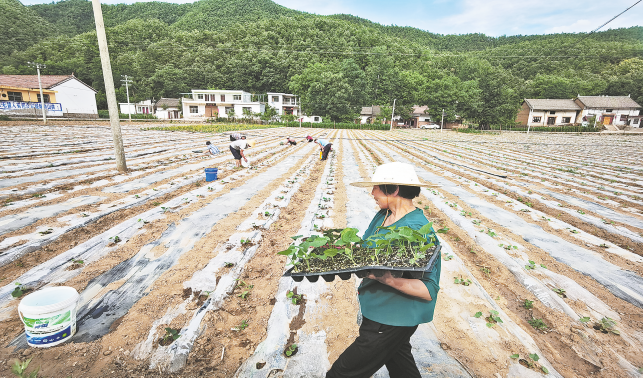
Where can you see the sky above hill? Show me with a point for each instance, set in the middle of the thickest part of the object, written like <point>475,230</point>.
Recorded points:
<point>491,17</point>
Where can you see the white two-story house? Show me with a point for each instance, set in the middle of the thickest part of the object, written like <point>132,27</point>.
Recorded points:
<point>285,103</point>
<point>206,103</point>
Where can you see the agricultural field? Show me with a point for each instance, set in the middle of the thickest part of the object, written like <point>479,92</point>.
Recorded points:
<point>542,250</point>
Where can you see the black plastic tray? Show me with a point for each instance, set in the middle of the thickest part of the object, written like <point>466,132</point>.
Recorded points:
<point>362,272</point>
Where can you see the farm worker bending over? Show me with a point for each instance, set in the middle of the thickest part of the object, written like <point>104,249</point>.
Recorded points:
<point>325,146</point>
<point>236,136</point>
<point>309,138</point>
<point>392,308</point>
<point>237,148</point>
<point>212,149</point>
<point>291,141</point>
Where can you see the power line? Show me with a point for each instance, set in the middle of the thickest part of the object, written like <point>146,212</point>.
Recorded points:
<point>612,19</point>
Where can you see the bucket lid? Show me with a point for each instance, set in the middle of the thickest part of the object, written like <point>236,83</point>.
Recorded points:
<point>49,299</point>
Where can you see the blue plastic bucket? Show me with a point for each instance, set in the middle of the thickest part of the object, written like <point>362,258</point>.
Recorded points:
<point>211,174</point>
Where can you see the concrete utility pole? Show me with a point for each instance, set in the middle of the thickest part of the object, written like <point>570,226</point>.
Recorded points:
<point>393,112</point>
<point>127,82</point>
<point>42,98</point>
<point>442,122</point>
<point>121,165</point>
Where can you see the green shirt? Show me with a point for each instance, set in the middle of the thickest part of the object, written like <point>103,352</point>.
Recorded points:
<point>386,305</point>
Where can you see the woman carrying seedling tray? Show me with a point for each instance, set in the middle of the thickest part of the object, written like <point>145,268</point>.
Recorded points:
<point>392,308</point>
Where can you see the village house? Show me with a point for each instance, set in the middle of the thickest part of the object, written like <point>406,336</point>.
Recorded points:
<point>285,103</point>
<point>548,112</point>
<point>168,108</point>
<point>608,110</point>
<point>142,107</point>
<point>64,96</point>
<point>205,103</point>
<point>369,114</point>
<point>309,119</point>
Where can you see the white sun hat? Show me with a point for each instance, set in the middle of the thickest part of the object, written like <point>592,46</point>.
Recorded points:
<point>393,174</point>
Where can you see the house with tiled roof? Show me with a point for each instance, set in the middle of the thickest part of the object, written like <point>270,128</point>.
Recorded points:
<point>548,112</point>
<point>64,96</point>
<point>168,108</point>
<point>609,110</point>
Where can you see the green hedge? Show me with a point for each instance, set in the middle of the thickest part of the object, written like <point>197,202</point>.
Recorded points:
<point>213,128</point>
<point>558,129</point>
<point>105,114</point>
<point>343,125</point>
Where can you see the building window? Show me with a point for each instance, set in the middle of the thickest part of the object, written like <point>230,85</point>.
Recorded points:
<point>46,98</point>
<point>609,110</point>
<point>229,109</point>
<point>623,117</point>
<point>567,119</point>
<point>316,119</point>
<point>15,96</point>
<point>552,112</point>
<point>222,98</point>
<point>194,109</point>
<point>536,119</point>
<point>199,97</point>
<point>275,98</point>
<point>236,97</point>
<point>635,121</point>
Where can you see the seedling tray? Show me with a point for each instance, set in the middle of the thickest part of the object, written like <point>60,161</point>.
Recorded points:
<point>361,272</point>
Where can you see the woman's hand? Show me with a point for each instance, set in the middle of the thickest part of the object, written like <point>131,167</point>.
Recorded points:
<point>409,286</point>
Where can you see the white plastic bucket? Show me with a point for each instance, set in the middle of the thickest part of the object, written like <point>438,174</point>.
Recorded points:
<point>49,315</point>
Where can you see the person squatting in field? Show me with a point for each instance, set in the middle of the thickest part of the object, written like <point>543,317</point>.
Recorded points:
<point>291,141</point>
<point>237,148</point>
<point>212,149</point>
<point>392,308</point>
<point>325,147</point>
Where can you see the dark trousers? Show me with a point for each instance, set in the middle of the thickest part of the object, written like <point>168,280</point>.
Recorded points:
<point>326,151</point>
<point>377,345</point>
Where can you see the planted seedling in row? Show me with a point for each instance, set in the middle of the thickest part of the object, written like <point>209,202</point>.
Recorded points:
<point>447,257</point>
<point>538,324</point>
<point>462,281</point>
<point>228,264</point>
<point>607,325</point>
<point>18,291</point>
<point>528,304</point>
<point>531,265</point>
<point>115,239</point>
<point>584,319</point>
<point>291,350</point>
<point>46,232</point>
<point>244,324</point>
<point>560,292</point>
<point>508,246</point>
<point>19,369</point>
<point>492,319</point>
<point>491,233</point>
<point>294,298</point>
<point>171,334</point>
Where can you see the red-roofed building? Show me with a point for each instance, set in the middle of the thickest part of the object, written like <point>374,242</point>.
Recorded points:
<point>65,96</point>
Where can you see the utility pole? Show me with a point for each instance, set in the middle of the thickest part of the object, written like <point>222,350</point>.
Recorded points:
<point>442,122</point>
<point>393,112</point>
<point>121,165</point>
<point>127,82</point>
<point>42,98</point>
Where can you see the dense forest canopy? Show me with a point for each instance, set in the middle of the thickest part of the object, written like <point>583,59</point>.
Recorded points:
<point>335,63</point>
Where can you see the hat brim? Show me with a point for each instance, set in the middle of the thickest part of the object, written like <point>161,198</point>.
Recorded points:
<point>366,184</point>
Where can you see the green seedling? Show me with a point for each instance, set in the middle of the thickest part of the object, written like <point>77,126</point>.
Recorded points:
<point>462,281</point>
<point>604,245</point>
<point>294,298</point>
<point>514,356</point>
<point>491,233</point>
<point>74,261</point>
<point>171,333</point>
<point>326,199</point>
<point>528,304</point>
<point>607,325</point>
<point>244,294</point>
<point>584,319</point>
<point>210,188</point>
<point>38,196</point>
<point>476,222</point>
<point>525,210</point>
<point>156,203</point>
<point>508,246</point>
<point>531,265</point>
<point>19,369</point>
<point>144,221</point>
<point>543,266</point>
<point>137,196</point>
<point>465,213</point>
<point>581,212</point>
<point>244,324</point>
<point>544,369</point>
<point>321,216</point>
<point>84,215</point>
<point>546,219</point>
<point>165,209</point>
<point>492,319</point>
<point>486,271</point>
<point>228,264</point>
<point>443,230</point>
<point>447,257</point>
<point>290,350</point>
<point>18,291</point>
<point>115,239</point>
<point>574,231</point>
<point>266,213</point>
<point>560,292</point>
<point>46,232</point>
<point>534,357</point>
<point>538,324</point>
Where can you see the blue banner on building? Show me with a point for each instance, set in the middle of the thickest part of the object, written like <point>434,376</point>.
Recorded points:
<point>15,105</point>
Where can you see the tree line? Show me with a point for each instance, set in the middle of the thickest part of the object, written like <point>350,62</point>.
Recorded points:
<point>336,64</point>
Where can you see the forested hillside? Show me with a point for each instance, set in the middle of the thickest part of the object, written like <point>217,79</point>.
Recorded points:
<point>335,63</point>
